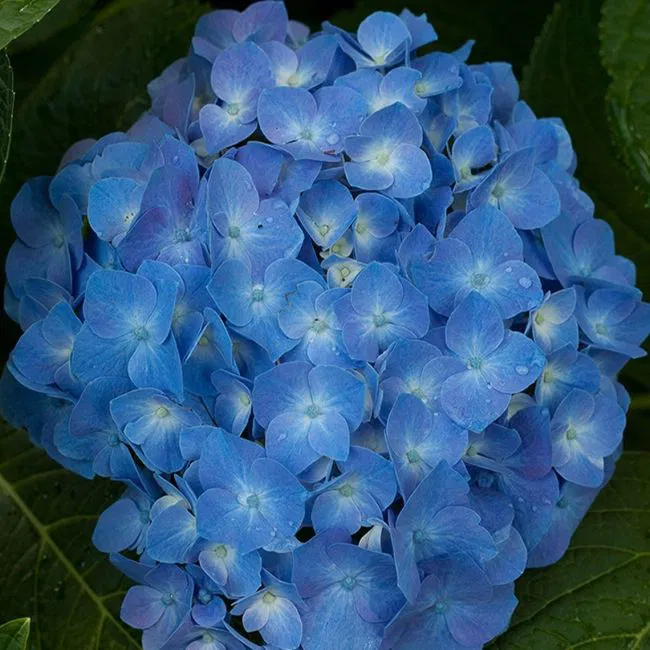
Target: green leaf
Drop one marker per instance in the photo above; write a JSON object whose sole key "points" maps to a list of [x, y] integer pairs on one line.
{"points": [[64, 14], [6, 109], [598, 596], [504, 30], [49, 568], [17, 16], [14, 634], [625, 40]]}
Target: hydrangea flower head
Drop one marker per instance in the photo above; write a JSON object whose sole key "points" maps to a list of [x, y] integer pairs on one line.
{"points": [[339, 318]]}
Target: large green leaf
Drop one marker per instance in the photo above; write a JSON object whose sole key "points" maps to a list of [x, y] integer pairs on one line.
{"points": [[17, 16], [49, 569], [504, 30], [6, 109], [62, 16], [625, 38], [598, 596], [14, 634]]}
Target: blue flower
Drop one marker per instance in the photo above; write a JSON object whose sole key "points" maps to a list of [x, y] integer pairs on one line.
{"points": [[309, 318], [274, 611], [566, 369], [365, 488], [568, 511], [579, 250], [209, 610], [237, 573], [93, 434], [439, 74], [379, 91], [308, 412], [244, 228], [158, 606], [375, 235], [520, 190], [152, 423], [354, 589], [172, 532], [382, 39], [326, 211], [492, 364], [553, 324], [310, 126], [386, 154], [171, 225], [123, 170], [49, 241], [211, 351], [472, 151], [233, 403], [248, 499], [307, 66], [124, 524], [239, 74], [41, 358], [380, 309], [585, 429], [437, 521], [251, 302], [483, 253], [419, 439], [451, 598], [126, 332], [613, 319]]}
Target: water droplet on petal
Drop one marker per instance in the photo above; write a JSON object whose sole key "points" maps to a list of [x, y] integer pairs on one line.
{"points": [[176, 160], [332, 138], [278, 205], [508, 269], [526, 283], [269, 219], [521, 370]]}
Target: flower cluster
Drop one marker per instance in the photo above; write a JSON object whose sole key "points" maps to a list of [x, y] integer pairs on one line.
{"points": [[341, 319]]}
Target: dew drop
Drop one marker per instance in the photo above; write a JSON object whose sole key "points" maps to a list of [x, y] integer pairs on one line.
{"points": [[269, 219], [526, 283], [278, 205], [521, 370], [175, 161], [332, 138], [508, 269]]}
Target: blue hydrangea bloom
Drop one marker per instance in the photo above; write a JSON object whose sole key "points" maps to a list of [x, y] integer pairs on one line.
{"points": [[308, 412], [338, 316], [126, 332], [274, 612], [554, 324], [381, 308], [483, 253], [386, 154], [437, 521], [585, 430], [248, 499], [452, 596], [159, 606], [491, 364], [353, 588], [365, 488]]}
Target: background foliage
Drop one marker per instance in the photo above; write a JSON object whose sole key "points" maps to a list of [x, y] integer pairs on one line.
{"points": [[71, 69]]}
